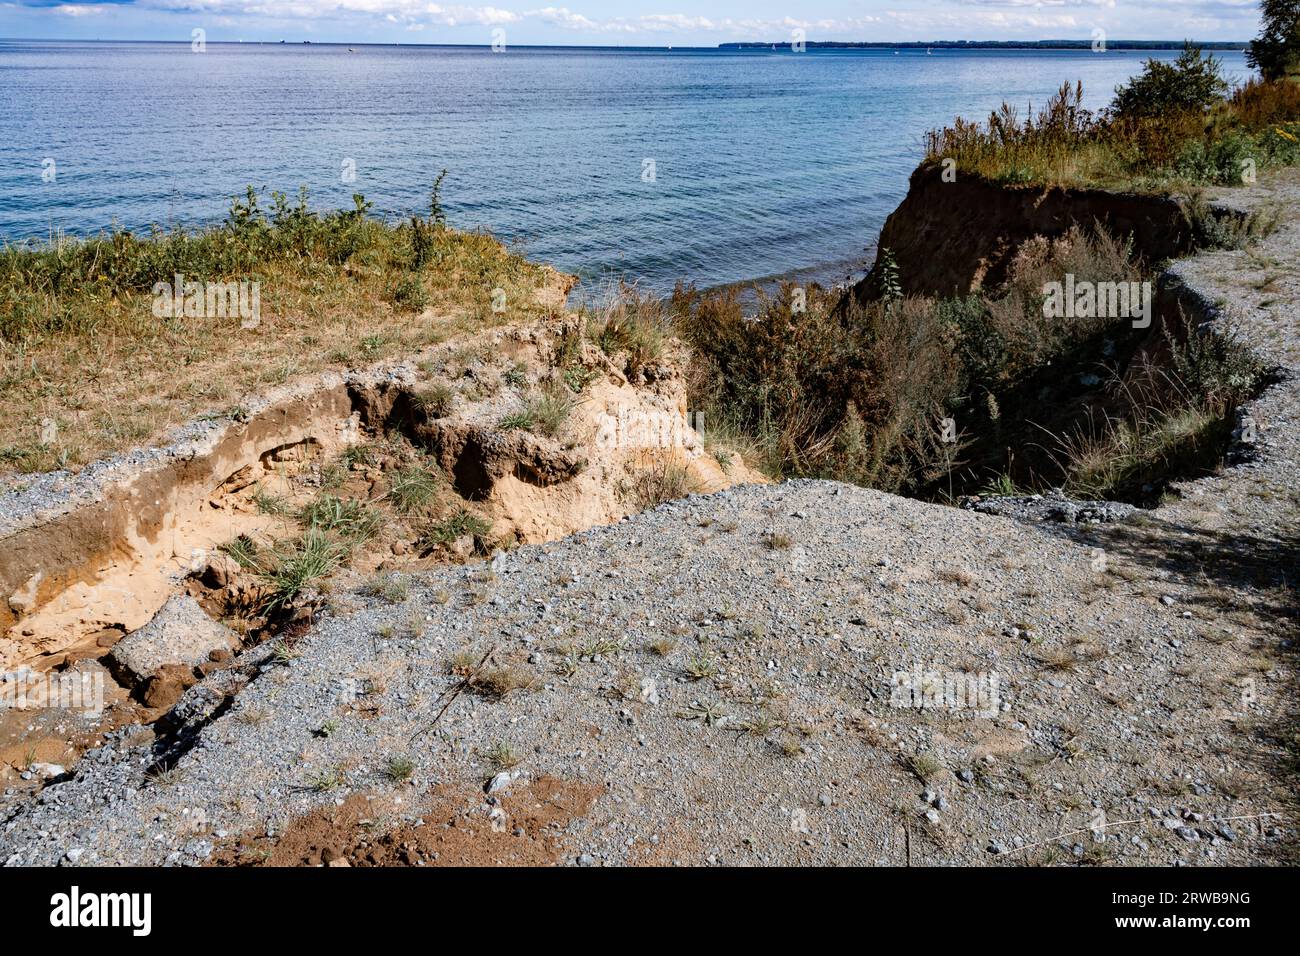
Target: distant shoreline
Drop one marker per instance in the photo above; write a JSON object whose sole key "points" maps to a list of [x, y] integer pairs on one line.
{"points": [[988, 45], [736, 46]]}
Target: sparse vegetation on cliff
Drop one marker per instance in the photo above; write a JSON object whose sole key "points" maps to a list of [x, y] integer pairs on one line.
{"points": [[1171, 127], [88, 367]]}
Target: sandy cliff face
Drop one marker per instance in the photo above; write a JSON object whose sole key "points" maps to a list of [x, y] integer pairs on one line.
{"points": [[952, 238], [81, 570]]}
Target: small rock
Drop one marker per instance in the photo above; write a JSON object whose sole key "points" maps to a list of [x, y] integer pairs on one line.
{"points": [[181, 633], [649, 691]]}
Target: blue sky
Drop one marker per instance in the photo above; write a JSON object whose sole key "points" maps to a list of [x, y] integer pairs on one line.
{"points": [[627, 22]]}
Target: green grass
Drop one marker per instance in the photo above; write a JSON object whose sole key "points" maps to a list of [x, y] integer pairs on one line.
{"points": [[399, 769], [503, 756], [269, 504], [411, 489], [457, 526], [347, 517], [436, 401], [245, 552], [325, 780], [301, 563], [1003, 486], [700, 666], [544, 413]]}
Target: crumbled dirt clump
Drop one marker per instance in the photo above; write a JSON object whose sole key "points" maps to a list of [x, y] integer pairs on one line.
{"points": [[455, 828]]}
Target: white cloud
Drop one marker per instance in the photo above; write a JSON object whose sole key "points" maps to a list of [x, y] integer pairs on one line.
{"points": [[1010, 19], [395, 11]]}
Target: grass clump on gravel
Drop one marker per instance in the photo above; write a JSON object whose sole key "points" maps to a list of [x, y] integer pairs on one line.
{"points": [[489, 678], [664, 480], [297, 565], [399, 768], [461, 524], [390, 588], [503, 756]]}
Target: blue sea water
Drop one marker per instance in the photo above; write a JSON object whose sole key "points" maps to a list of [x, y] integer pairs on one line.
{"points": [[764, 163]]}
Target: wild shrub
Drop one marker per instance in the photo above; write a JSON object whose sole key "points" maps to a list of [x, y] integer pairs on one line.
{"points": [[1191, 84]]}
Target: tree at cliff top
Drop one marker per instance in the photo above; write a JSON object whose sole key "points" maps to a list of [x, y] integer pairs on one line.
{"points": [[1191, 84], [1276, 52]]}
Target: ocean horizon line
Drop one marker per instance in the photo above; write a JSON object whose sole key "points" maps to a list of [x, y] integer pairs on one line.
{"points": [[733, 46]]}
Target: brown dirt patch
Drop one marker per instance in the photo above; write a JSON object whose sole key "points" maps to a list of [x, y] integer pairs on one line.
{"points": [[459, 829]]}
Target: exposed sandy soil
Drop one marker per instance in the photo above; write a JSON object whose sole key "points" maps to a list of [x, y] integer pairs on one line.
{"points": [[105, 568], [453, 829]]}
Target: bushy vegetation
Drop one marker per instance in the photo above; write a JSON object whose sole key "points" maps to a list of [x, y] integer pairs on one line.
{"points": [[1173, 126], [859, 391], [930, 396], [1191, 84]]}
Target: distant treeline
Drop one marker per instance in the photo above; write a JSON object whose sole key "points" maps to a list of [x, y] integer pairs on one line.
{"points": [[987, 45]]}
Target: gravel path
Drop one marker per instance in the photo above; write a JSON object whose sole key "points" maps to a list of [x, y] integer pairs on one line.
{"points": [[766, 728], [1254, 503]]}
